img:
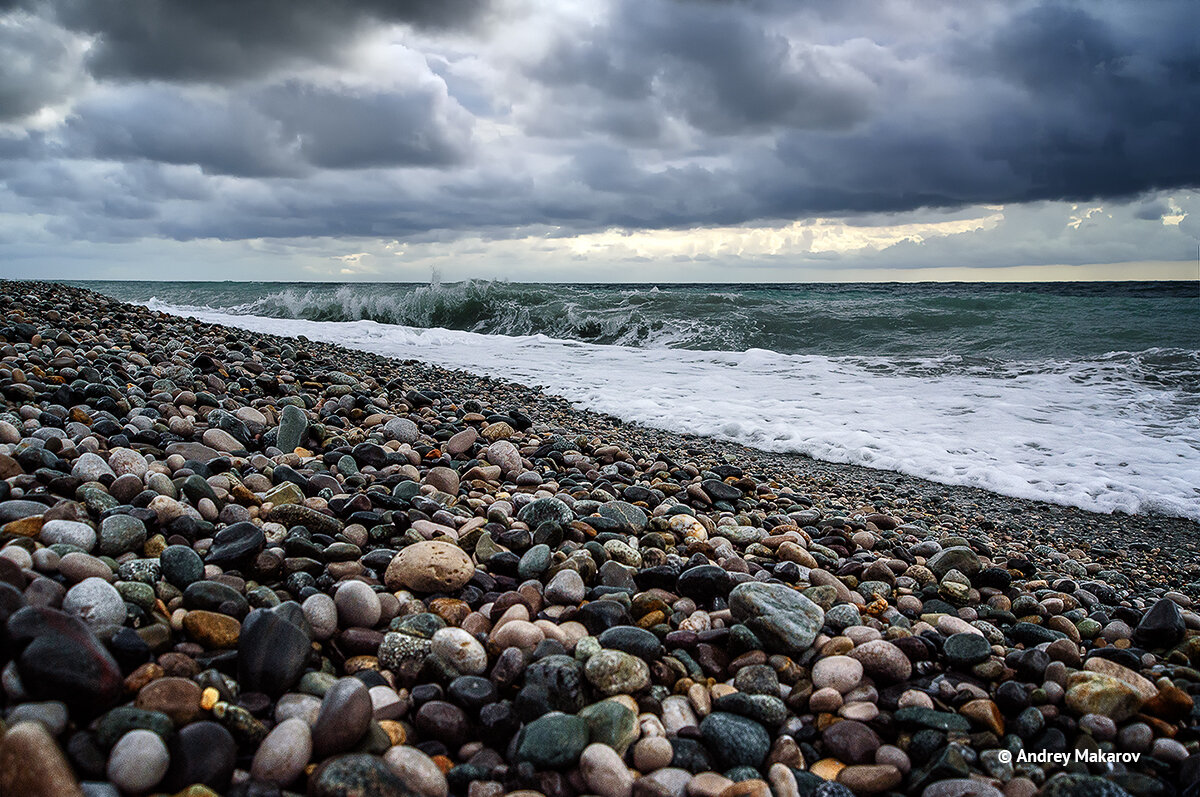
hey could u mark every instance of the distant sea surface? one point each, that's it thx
(1084, 394)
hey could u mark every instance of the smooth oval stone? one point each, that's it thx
(322, 614)
(122, 719)
(966, 649)
(461, 650)
(443, 721)
(430, 566)
(138, 761)
(418, 771)
(850, 742)
(357, 605)
(345, 715)
(214, 596)
(178, 698)
(203, 752)
(272, 652)
(121, 534)
(96, 602)
(613, 672)
(68, 532)
(285, 752)
(180, 565)
(631, 639)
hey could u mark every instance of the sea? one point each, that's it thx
(1080, 394)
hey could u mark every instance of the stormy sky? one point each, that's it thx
(624, 140)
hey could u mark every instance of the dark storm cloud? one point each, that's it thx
(718, 66)
(218, 40)
(351, 129)
(252, 119)
(1058, 102)
(38, 66)
(285, 130)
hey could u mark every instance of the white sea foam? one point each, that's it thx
(1069, 433)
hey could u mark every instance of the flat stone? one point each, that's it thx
(69, 532)
(785, 620)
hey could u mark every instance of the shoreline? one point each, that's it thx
(1173, 530)
(315, 569)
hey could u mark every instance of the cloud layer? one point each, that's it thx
(430, 120)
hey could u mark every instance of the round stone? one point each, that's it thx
(202, 752)
(735, 741)
(96, 602)
(966, 650)
(553, 741)
(121, 534)
(322, 615)
(357, 605)
(566, 588)
(430, 566)
(138, 761)
(850, 742)
(181, 566)
(613, 672)
(461, 650)
(838, 672)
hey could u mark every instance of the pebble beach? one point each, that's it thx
(239, 564)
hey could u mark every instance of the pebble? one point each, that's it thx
(357, 605)
(97, 603)
(284, 752)
(417, 771)
(430, 566)
(137, 762)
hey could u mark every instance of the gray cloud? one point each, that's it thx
(220, 40)
(266, 118)
(39, 65)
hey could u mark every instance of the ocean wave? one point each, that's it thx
(1115, 432)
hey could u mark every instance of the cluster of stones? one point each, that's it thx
(239, 564)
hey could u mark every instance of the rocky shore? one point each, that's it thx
(232, 563)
